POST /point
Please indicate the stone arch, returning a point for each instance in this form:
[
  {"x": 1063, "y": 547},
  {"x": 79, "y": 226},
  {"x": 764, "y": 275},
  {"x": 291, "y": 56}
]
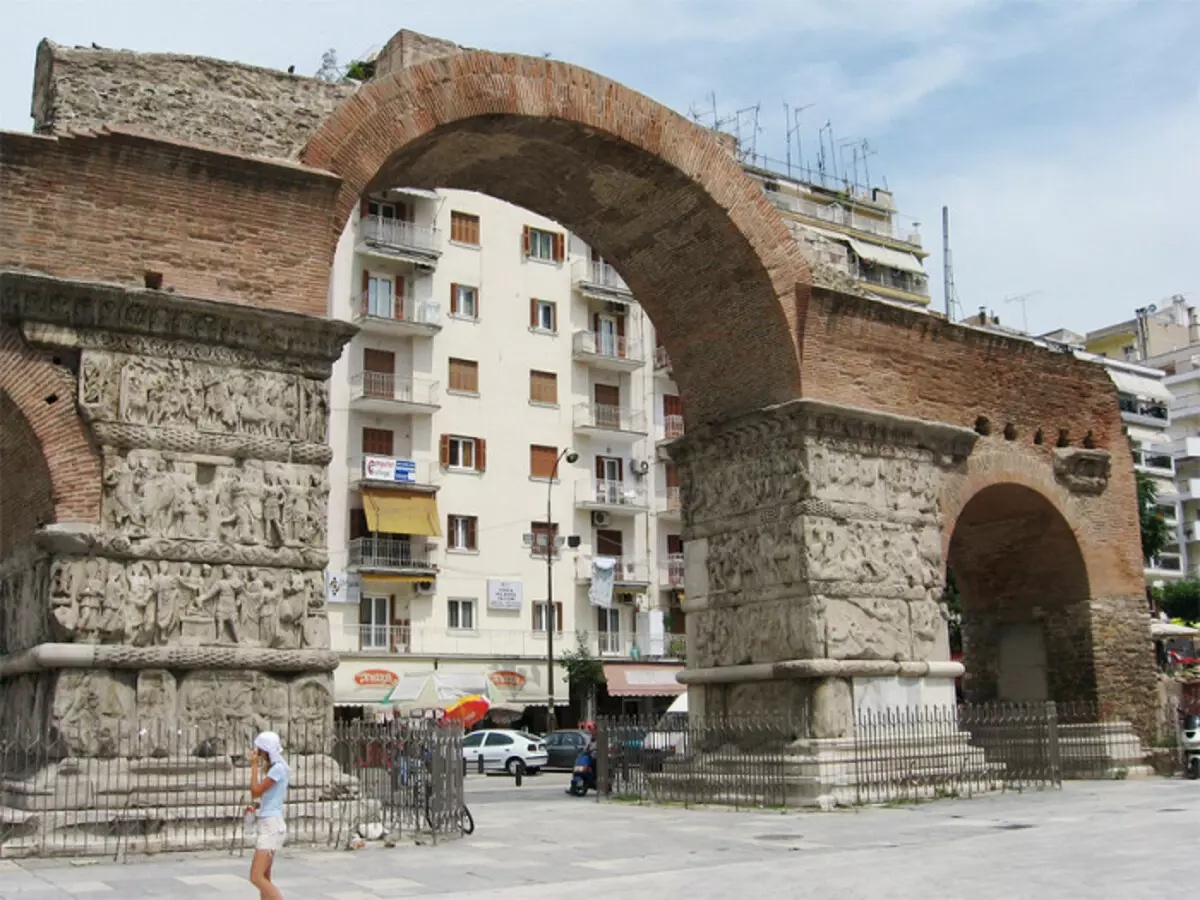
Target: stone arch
[
  {"x": 1025, "y": 589},
  {"x": 703, "y": 251},
  {"x": 50, "y": 470}
]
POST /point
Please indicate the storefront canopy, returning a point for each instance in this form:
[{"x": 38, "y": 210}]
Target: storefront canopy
[
  {"x": 399, "y": 512},
  {"x": 1139, "y": 385},
  {"x": 642, "y": 681}
]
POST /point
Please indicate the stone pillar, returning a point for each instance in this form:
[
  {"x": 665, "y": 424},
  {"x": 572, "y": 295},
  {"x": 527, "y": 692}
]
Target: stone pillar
[
  {"x": 812, "y": 543},
  {"x": 199, "y": 599}
]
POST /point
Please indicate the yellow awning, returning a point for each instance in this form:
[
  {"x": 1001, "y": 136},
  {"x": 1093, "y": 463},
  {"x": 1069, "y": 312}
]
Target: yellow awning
[
  {"x": 378, "y": 577},
  {"x": 401, "y": 512}
]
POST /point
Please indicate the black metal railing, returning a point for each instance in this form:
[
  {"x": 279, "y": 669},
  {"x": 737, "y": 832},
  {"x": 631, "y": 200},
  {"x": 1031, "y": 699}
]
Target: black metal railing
[{"x": 137, "y": 789}]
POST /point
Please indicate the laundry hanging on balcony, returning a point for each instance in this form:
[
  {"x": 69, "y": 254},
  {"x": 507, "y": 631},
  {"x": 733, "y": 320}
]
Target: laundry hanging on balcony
[
  {"x": 401, "y": 512},
  {"x": 603, "y": 574}
]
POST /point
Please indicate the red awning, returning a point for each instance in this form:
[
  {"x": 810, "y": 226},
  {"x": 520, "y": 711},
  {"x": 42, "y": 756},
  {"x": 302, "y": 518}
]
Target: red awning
[{"x": 643, "y": 681}]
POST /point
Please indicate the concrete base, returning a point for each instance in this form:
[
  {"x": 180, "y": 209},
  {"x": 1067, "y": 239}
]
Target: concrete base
[
  {"x": 1102, "y": 750},
  {"x": 96, "y": 806}
]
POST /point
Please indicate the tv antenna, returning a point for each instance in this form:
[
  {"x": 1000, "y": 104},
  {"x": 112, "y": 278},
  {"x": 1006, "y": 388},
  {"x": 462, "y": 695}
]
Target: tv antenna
[
  {"x": 792, "y": 119},
  {"x": 1023, "y": 299}
]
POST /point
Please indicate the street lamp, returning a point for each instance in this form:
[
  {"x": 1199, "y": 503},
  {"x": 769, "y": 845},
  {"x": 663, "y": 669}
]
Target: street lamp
[{"x": 550, "y": 619}]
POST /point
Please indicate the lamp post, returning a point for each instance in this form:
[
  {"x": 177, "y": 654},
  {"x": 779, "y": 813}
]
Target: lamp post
[{"x": 551, "y": 620}]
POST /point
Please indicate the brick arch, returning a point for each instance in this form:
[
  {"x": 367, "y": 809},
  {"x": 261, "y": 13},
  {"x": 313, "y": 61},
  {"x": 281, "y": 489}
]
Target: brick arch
[
  {"x": 703, "y": 251},
  {"x": 45, "y": 444}
]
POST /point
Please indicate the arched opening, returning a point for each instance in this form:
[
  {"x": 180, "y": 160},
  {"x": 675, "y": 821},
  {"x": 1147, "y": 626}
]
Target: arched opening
[
  {"x": 653, "y": 194},
  {"x": 26, "y": 490},
  {"x": 1024, "y": 590}
]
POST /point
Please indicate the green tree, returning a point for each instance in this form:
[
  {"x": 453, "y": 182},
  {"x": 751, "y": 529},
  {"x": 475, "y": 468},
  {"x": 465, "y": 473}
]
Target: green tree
[
  {"x": 1180, "y": 599},
  {"x": 952, "y": 606},
  {"x": 1155, "y": 533},
  {"x": 584, "y": 671}
]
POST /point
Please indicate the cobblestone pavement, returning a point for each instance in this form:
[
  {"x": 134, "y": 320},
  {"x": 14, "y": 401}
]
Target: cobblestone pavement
[{"x": 1091, "y": 840}]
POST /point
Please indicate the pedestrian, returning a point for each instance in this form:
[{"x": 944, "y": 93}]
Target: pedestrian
[{"x": 270, "y": 792}]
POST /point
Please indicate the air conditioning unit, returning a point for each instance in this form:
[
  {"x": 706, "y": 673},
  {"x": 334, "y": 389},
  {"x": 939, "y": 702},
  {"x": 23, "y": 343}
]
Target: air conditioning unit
[
  {"x": 426, "y": 588},
  {"x": 639, "y": 466},
  {"x": 600, "y": 519}
]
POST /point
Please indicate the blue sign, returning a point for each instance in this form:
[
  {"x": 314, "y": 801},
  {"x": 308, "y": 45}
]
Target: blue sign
[{"x": 406, "y": 471}]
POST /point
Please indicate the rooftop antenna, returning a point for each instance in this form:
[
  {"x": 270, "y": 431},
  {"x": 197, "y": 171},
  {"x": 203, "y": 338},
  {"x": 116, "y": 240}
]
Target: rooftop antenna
[
  {"x": 1023, "y": 299},
  {"x": 751, "y": 114},
  {"x": 867, "y": 151},
  {"x": 792, "y": 121}
]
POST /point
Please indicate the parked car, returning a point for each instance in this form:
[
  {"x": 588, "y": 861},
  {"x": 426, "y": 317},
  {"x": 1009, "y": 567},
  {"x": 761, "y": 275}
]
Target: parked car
[
  {"x": 504, "y": 751},
  {"x": 564, "y": 747}
]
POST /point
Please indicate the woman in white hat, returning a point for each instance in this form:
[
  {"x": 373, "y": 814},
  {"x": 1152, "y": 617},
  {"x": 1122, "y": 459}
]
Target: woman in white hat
[{"x": 270, "y": 792}]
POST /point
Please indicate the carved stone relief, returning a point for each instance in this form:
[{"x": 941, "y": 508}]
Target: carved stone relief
[
  {"x": 23, "y": 603},
  {"x": 1082, "y": 471},
  {"x": 149, "y": 493},
  {"x": 94, "y": 712},
  {"x": 141, "y": 603},
  {"x": 311, "y": 706},
  {"x": 177, "y": 393}
]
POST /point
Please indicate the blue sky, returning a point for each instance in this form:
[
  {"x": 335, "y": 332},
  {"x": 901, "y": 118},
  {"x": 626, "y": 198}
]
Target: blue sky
[{"x": 1063, "y": 134}]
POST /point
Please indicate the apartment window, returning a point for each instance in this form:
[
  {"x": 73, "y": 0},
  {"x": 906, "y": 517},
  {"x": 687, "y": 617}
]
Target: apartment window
[
  {"x": 463, "y": 531},
  {"x": 379, "y": 373},
  {"x": 539, "y": 616},
  {"x": 544, "y": 534},
  {"x": 544, "y": 245},
  {"x": 463, "y": 453},
  {"x": 377, "y": 442},
  {"x": 464, "y": 375},
  {"x": 464, "y": 228},
  {"x": 608, "y": 624},
  {"x": 388, "y": 210},
  {"x": 543, "y": 315},
  {"x": 464, "y": 301},
  {"x": 379, "y": 295},
  {"x": 543, "y": 387},
  {"x": 373, "y": 622},
  {"x": 460, "y": 614},
  {"x": 542, "y": 461}
]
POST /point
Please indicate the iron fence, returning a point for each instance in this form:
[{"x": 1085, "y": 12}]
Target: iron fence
[{"x": 146, "y": 789}]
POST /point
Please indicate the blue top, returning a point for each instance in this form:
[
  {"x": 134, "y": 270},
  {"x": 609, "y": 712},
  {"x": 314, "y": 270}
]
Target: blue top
[{"x": 271, "y": 805}]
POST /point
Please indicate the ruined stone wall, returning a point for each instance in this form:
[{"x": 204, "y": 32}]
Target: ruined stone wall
[
  {"x": 246, "y": 109},
  {"x": 111, "y": 207},
  {"x": 26, "y": 492}
]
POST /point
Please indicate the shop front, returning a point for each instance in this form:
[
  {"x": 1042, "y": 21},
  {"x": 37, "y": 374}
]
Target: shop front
[{"x": 639, "y": 689}]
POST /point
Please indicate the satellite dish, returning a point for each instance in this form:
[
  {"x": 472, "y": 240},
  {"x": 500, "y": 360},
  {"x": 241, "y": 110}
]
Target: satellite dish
[{"x": 1153, "y": 307}]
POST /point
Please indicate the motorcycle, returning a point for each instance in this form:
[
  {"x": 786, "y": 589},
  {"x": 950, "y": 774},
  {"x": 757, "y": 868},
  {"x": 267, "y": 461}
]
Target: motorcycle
[
  {"x": 1189, "y": 741},
  {"x": 584, "y": 777}
]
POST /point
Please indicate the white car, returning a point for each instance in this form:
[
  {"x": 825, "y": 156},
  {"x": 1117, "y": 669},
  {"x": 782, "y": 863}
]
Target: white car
[{"x": 504, "y": 750}]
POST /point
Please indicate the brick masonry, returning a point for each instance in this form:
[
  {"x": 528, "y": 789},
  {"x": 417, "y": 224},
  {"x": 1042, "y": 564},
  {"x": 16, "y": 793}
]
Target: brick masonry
[{"x": 705, "y": 253}]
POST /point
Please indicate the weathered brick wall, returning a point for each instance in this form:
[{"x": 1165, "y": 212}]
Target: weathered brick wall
[
  {"x": 112, "y": 206},
  {"x": 26, "y": 493},
  {"x": 192, "y": 98}
]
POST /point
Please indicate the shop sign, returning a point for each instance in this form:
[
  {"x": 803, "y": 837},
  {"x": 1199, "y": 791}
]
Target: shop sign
[
  {"x": 376, "y": 678},
  {"x": 385, "y": 468},
  {"x": 511, "y": 680}
]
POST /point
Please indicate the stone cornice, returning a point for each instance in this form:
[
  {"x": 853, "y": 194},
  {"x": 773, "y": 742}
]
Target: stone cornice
[
  {"x": 94, "y": 542},
  {"x": 29, "y": 297},
  {"x": 122, "y": 656},
  {"x": 832, "y": 421}
]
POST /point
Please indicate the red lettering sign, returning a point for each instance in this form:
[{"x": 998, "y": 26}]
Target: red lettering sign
[
  {"x": 513, "y": 680},
  {"x": 376, "y": 678}
]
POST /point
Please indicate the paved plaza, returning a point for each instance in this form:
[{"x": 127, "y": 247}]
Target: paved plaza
[{"x": 1092, "y": 839}]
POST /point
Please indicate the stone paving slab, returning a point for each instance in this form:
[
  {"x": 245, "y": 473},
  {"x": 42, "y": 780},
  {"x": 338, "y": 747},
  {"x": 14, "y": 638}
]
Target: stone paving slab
[{"x": 1124, "y": 840}]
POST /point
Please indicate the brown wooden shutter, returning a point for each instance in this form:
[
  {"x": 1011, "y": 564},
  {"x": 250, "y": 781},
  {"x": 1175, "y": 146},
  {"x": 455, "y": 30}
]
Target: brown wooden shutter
[
  {"x": 366, "y": 290},
  {"x": 674, "y": 544},
  {"x": 620, "y": 336},
  {"x": 364, "y": 206},
  {"x": 480, "y": 455},
  {"x": 381, "y": 361},
  {"x": 445, "y": 449},
  {"x": 377, "y": 442},
  {"x": 366, "y": 281},
  {"x": 672, "y": 475},
  {"x": 525, "y": 240},
  {"x": 596, "y": 328},
  {"x": 672, "y": 405},
  {"x": 533, "y": 316},
  {"x": 620, "y": 469},
  {"x": 398, "y": 289},
  {"x": 600, "y": 467},
  {"x": 471, "y": 532},
  {"x": 454, "y": 298},
  {"x": 558, "y": 248},
  {"x": 533, "y": 608},
  {"x": 450, "y": 529}
]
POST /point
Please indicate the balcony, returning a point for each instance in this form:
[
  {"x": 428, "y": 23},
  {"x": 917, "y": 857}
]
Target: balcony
[
  {"x": 388, "y": 394},
  {"x": 1166, "y": 564},
  {"x": 894, "y": 279},
  {"x": 1192, "y": 532},
  {"x": 596, "y": 278},
  {"x": 1188, "y": 448},
  {"x": 893, "y": 226},
  {"x": 398, "y": 239},
  {"x": 381, "y": 471},
  {"x": 628, "y": 572},
  {"x": 1154, "y": 463},
  {"x": 628, "y": 645},
  {"x": 662, "y": 361},
  {"x": 670, "y": 502},
  {"x": 397, "y": 317},
  {"x": 671, "y": 572},
  {"x": 390, "y": 554},
  {"x": 615, "y": 497},
  {"x": 1149, "y": 413},
  {"x": 428, "y": 640},
  {"x": 670, "y": 428},
  {"x": 618, "y": 354},
  {"x": 610, "y": 421},
  {"x": 1190, "y": 489}
]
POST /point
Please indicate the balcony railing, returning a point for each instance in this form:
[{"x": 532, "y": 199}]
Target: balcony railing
[
  {"x": 399, "y": 234},
  {"x": 428, "y": 640},
  {"x": 397, "y": 309},
  {"x": 895, "y": 226},
  {"x": 392, "y": 553},
  {"x": 597, "y": 273},
  {"x": 638, "y": 646},
  {"x": 1166, "y": 562},
  {"x": 671, "y": 428},
  {"x": 614, "y": 418},
  {"x": 1162, "y": 462},
  {"x": 591, "y": 343},
  {"x": 662, "y": 359},
  {"x": 671, "y": 499},
  {"x": 390, "y": 470},
  {"x": 379, "y": 638},
  {"x": 386, "y": 386},
  {"x": 610, "y": 493},
  {"x": 1144, "y": 408},
  {"x": 900, "y": 281},
  {"x": 672, "y": 571},
  {"x": 627, "y": 569}
]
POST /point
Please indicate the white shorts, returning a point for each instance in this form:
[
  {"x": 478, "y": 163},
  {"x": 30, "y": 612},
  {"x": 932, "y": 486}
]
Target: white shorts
[{"x": 271, "y": 834}]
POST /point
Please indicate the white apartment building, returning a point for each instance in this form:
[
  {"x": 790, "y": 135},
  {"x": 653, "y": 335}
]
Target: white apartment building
[{"x": 493, "y": 344}]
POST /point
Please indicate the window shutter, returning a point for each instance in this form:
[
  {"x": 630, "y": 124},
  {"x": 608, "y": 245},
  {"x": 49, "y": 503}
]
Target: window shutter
[
  {"x": 559, "y": 243},
  {"x": 445, "y": 449},
  {"x": 449, "y": 530},
  {"x": 398, "y": 297},
  {"x": 533, "y": 316},
  {"x": 366, "y": 282},
  {"x": 471, "y": 532},
  {"x": 621, "y": 336},
  {"x": 558, "y": 610},
  {"x": 364, "y": 208},
  {"x": 596, "y": 326},
  {"x": 600, "y": 467},
  {"x": 620, "y": 470},
  {"x": 454, "y": 298},
  {"x": 525, "y": 240},
  {"x": 480, "y": 455}
]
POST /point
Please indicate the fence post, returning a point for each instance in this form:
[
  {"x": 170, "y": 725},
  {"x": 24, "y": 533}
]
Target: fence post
[
  {"x": 1052, "y": 746},
  {"x": 601, "y": 740}
]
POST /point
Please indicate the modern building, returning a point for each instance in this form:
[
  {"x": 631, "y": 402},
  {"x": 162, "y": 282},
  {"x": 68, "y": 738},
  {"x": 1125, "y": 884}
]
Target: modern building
[{"x": 493, "y": 344}]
